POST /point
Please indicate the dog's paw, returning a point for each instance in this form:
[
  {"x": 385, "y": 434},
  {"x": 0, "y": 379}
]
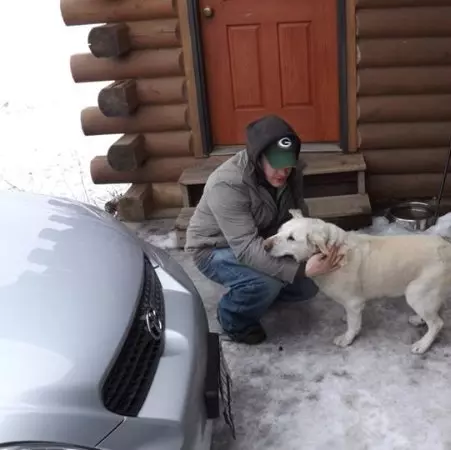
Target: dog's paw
[
  {"x": 418, "y": 348},
  {"x": 416, "y": 321},
  {"x": 343, "y": 340}
]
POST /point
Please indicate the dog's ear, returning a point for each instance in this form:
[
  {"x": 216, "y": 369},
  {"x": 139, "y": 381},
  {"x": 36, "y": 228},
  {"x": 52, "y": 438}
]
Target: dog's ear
[
  {"x": 296, "y": 213},
  {"x": 318, "y": 240}
]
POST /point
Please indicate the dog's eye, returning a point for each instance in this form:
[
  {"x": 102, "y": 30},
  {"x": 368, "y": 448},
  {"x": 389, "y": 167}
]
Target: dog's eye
[{"x": 290, "y": 238}]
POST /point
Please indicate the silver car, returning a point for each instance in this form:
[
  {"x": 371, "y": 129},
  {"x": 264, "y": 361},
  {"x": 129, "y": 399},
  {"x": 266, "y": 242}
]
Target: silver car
[{"x": 104, "y": 340}]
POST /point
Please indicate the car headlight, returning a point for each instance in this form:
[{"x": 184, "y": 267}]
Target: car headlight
[{"x": 41, "y": 446}]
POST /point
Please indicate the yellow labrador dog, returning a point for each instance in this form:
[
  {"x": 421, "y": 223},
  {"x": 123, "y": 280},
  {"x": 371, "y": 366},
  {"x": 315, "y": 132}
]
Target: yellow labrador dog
[{"x": 415, "y": 266}]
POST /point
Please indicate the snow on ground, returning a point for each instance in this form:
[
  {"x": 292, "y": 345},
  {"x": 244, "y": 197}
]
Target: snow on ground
[
  {"x": 42, "y": 147},
  {"x": 298, "y": 391}
]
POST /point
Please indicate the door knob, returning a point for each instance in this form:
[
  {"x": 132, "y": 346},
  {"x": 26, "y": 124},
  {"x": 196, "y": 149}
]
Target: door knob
[{"x": 208, "y": 12}]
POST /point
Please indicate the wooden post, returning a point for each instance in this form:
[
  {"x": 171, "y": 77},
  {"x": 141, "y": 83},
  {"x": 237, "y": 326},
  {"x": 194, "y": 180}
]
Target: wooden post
[
  {"x": 190, "y": 75},
  {"x": 351, "y": 50},
  {"x": 119, "y": 99},
  {"x": 109, "y": 41},
  {"x": 136, "y": 204}
]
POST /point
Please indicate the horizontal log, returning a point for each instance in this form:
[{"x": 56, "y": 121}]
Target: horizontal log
[
  {"x": 158, "y": 91},
  {"x": 406, "y": 160},
  {"x": 404, "y": 135},
  {"x": 404, "y": 80},
  {"x": 167, "y": 195},
  {"x": 138, "y": 64},
  {"x": 146, "y": 119},
  {"x": 404, "y": 22},
  {"x": 110, "y": 40},
  {"x": 153, "y": 34},
  {"x": 156, "y": 170},
  {"x": 173, "y": 143},
  {"x": 399, "y": 3},
  {"x": 118, "y": 99},
  {"x": 136, "y": 204},
  {"x": 403, "y": 52},
  {"x": 127, "y": 153},
  {"x": 404, "y": 108},
  {"x": 83, "y": 12},
  {"x": 405, "y": 186}
]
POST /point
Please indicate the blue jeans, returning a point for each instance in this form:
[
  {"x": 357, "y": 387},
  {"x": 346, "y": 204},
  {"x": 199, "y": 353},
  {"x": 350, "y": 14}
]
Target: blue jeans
[{"x": 250, "y": 293}]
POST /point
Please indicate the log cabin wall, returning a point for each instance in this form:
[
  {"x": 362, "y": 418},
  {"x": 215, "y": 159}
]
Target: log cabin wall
[
  {"x": 404, "y": 95},
  {"x": 144, "y": 49}
]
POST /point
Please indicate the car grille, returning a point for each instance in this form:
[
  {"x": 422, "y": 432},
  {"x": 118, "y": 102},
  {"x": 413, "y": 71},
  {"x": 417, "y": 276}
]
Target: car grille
[{"x": 129, "y": 380}]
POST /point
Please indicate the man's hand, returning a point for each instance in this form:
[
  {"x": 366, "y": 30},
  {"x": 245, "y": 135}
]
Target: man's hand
[{"x": 321, "y": 264}]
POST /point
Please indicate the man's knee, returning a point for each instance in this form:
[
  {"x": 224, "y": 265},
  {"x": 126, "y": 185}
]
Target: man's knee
[{"x": 259, "y": 289}]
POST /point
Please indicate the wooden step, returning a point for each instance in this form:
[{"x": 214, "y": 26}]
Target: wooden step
[
  {"x": 322, "y": 168},
  {"x": 323, "y": 163},
  {"x": 347, "y": 211},
  {"x": 339, "y": 206},
  {"x": 317, "y": 164}
]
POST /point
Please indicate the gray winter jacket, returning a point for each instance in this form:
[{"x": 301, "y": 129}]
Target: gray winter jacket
[{"x": 239, "y": 210}]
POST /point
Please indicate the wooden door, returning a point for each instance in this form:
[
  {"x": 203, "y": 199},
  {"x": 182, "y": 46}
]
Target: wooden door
[{"x": 271, "y": 56}]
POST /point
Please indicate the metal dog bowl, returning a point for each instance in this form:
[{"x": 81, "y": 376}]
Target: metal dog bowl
[{"x": 413, "y": 216}]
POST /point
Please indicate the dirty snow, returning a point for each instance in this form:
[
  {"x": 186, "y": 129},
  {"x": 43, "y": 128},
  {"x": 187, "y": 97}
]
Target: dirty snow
[{"x": 298, "y": 391}]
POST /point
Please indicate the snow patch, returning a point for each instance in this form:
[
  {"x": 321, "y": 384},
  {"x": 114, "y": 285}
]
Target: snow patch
[
  {"x": 167, "y": 240},
  {"x": 381, "y": 226}
]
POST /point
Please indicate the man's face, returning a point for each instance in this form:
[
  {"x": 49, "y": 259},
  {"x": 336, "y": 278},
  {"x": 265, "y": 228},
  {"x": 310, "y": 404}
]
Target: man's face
[{"x": 275, "y": 177}]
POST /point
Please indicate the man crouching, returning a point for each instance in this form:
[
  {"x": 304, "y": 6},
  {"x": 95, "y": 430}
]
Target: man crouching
[{"x": 245, "y": 200}]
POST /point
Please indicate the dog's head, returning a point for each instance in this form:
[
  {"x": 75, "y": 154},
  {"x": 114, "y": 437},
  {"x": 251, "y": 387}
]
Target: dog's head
[{"x": 301, "y": 237}]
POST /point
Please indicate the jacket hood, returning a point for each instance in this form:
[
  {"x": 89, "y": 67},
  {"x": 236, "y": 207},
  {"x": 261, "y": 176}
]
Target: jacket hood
[{"x": 268, "y": 130}]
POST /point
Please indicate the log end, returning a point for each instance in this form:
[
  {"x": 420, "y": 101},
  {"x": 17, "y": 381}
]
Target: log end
[
  {"x": 119, "y": 99},
  {"x": 109, "y": 41},
  {"x": 127, "y": 153}
]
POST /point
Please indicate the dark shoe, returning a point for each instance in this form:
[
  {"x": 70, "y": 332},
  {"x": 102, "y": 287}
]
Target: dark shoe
[{"x": 253, "y": 335}]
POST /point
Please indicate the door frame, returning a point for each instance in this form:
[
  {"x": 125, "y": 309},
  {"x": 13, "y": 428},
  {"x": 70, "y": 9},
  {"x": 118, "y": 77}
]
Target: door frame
[{"x": 346, "y": 41}]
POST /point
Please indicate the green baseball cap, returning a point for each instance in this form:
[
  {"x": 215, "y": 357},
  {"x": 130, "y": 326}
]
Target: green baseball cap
[{"x": 281, "y": 154}]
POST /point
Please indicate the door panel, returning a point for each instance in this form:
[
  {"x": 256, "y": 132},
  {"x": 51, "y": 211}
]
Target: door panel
[{"x": 271, "y": 56}]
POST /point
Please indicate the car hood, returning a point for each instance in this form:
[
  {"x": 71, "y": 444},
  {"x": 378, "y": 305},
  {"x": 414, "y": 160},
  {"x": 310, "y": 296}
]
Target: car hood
[{"x": 70, "y": 277}]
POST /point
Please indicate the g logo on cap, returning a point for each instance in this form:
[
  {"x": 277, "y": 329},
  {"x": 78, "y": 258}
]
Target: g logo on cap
[{"x": 285, "y": 143}]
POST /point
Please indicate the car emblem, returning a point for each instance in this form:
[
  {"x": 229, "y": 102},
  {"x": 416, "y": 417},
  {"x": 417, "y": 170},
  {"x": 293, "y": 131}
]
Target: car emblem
[{"x": 154, "y": 324}]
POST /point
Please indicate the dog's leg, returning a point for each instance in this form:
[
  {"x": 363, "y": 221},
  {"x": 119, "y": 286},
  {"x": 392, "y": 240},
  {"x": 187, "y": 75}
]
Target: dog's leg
[
  {"x": 416, "y": 321},
  {"x": 354, "y": 311},
  {"x": 426, "y": 301}
]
